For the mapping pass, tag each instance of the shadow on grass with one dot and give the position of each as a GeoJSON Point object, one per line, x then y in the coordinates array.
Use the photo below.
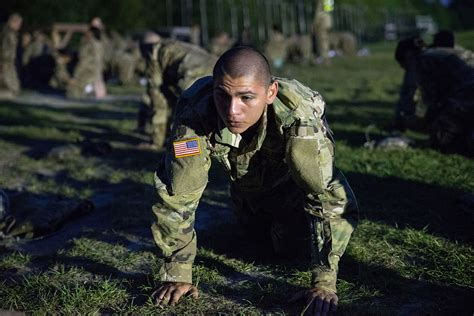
{"type": "Point", "coordinates": [89, 122]}
{"type": "Point", "coordinates": [396, 294]}
{"type": "Point", "coordinates": [405, 203]}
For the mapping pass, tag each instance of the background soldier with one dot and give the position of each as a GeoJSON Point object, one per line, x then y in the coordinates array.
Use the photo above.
{"type": "Point", "coordinates": [172, 66]}
{"type": "Point", "coordinates": [446, 83]}
{"type": "Point", "coordinates": [273, 139]}
{"type": "Point", "coordinates": [321, 26]}
{"type": "Point", "coordinates": [9, 41]}
{"type": "Point", "coordinates": [276, 48]}
{"type": "Point", "coordinates": [88, 74]}
{"type": "Point", "coordinates": [446, 39]}
{"type": "Point", "coordinates": [221, 43]}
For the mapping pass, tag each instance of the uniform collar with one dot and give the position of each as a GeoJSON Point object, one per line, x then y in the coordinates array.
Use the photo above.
{"type": "Point", "coordinates": [226, 137]}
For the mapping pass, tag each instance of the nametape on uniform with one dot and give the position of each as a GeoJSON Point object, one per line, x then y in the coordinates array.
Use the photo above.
{"type": "Point", "coordinates": [187, 147]}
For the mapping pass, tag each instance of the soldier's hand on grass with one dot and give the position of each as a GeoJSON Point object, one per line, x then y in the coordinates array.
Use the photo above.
{"type": "Point", "coordinates": [170, 293]}
{"type": "Point", "coordinates": [319, 302]}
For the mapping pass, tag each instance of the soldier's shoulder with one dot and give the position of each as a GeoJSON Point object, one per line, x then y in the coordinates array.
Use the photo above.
{"type": "Point", "coordinates": [202, 86]}
{"type": "Point", "coordinates": [297, 102]}
{"type": "Point", "coordinates": [197, 98]}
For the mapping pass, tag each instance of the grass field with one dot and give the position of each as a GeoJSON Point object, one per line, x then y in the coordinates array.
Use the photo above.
{"type": "Point", "coordinates": [411, 254]}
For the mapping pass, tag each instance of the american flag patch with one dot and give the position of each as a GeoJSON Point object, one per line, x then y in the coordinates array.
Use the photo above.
{"type": "Point", "coordinates": [186, 148]}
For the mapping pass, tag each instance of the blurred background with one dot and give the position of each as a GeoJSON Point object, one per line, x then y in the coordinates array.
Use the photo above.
{"type": "Point", "coordinates": [370, 20]}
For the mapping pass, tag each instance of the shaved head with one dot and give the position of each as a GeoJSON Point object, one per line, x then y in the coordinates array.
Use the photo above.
{"type": "Point", "coordinates": [243, 61]}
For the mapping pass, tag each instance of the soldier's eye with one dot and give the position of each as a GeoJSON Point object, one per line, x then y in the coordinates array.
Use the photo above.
{"type": "Point", "coordinates": [247, 98]}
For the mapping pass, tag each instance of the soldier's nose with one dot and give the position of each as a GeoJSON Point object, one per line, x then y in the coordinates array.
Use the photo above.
{"type": "Point", "coordinates": [234, 108]}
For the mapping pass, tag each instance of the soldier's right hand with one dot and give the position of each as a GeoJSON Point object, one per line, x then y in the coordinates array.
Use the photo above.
{"type": "Point", "coordinates": [170, 292]}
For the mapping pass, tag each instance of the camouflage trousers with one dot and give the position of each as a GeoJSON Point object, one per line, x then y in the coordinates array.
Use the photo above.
{"type": "Point", "coordinates": [451, 134]}
{"type": "Point", "coordinates": [155, 111]}
{"type": "Point", "coordinates": [322, 40]}
{"type": "Point", "coordinates": [452, 130]}
{"type": "Point", "coordinates": [9, 78]}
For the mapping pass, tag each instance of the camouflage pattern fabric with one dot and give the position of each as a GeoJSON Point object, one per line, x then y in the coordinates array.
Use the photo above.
{"type": "Point", "coordinates": [406, 105]}
{"type": "Point", "coordinates": [61, 75]}
{"type": "Point", "coordinates": [8, 73]}
{"type": "Point", "coordinates": [446, 83]}
{"type": "Point", "coordinates": [300, 49]}
{"type": "Point", "coordinates": [39, 46]}
{"type": "Point", "coordinates": [172, 67]}
{"type": "Point", "coordinates": [465, 54]}
{"type": "Point", "coordinates": [345, 43]}
{"type": "Point", "coordinates": [89, 68]}
{"type": "Point", "coordinates": [322, 23]}
{"type": "Point", "coordinates": [276, 49]}
{"type": "Point", "coordinates": [285, 176]}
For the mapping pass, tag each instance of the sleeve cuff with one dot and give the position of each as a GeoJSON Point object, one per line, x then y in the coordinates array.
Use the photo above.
{"type": "Point", "coordinates": [176, 272]}
{"type": "Point", "coordinates": [324, 280]}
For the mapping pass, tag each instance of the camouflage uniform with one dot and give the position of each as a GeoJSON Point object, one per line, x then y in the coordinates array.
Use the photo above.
{"type": "Point", "coordinates": [276, 49]}
{"type": "Point", "coordinates": [321, 25]}
{"type": "Point", "coordinates": [124, 59]}
{"type": "Point", "coordinates": [406, 105]}
{"type": "Point", "coordinates": [285, 175]}
{"type": "Point", "coordinates": [344, 43]}
{"type": "Point", "coordinates": [8, 73]}
{"type": "Point", "coordinates": [446, 82]}
{"type": "Point", "coordinates": [465, 54]}
{"type": "Point", "coordinates": [39, 46]}
{"type": "Point", "coordinates": [89, 68]}
{"type": "Point", "coordinates": [300, 49]}
{"type": "Point", "coordinates": [61, 76]}
{"type": "Point", "coordinates": [172, 67]}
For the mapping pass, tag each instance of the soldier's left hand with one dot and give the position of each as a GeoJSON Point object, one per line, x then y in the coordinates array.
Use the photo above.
{"type": "Point", "coordinates": [319, 302]}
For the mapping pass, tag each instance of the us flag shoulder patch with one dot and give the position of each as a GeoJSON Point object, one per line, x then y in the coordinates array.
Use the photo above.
{"type": "Point", "coordinates": [186, 148]}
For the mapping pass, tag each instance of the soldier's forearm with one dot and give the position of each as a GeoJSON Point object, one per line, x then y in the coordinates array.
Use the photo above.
{"type": "Point", "coordinates": [176, 272]}
{"type": "Point", "coordinates": [330, 237]}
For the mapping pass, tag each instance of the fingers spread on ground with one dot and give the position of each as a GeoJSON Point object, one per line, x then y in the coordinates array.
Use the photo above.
{"type": "Point", "coordinates": [167, 296]}
{"type": "Point", "coordinates": [175, 296]}
{"type": "Point", "coordinates": [194, 293]}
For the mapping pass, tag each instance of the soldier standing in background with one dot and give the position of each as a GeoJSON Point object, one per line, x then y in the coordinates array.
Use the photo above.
{"type": "Point", "coordinates": [172, 66]}
{"type": "Point", "coordinates": [88, 74]}
{"type": "Point", "coordinates": [272, 138]}
{"type": "Point", "coordinates": [321, 26]}
{"type": "Point", "coordinates": [9, 41]}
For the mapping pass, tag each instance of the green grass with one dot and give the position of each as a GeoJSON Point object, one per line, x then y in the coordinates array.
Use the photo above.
{"type": "Point", "coordinates": [411, 253]}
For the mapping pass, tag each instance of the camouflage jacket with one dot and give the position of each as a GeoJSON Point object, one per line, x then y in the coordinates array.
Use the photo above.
{"type": "Point", "coordinates": [91, 60]}
{"type": "Point", "coordinates": [293, 142]}
{"type": "Point", "coordinates": [465, 54]}
{"type": "Point", "coordinates": [444, 77]}
{"type": "Point", "coordinates": [9, 42]}
{"type": "Point", "coordinates": [175, 65]}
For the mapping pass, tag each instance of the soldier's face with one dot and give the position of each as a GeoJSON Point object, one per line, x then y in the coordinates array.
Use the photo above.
{"type": "Point", "coordinates": [241, 101]}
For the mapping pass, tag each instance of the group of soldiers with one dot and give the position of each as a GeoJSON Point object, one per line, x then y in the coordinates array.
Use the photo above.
{"type": "Point", "coordinates": [299, 47]}
{"type": "Point", "coordinates": [270, 134]}
{"type": "Point", "coordinates": [440, 78]}
{"type": "Point", "coordinates": [41, 61]}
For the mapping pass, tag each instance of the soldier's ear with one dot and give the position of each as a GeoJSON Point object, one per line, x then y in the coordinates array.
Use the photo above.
{"type": "Point", "coordinates": [272, 91]}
